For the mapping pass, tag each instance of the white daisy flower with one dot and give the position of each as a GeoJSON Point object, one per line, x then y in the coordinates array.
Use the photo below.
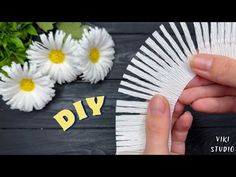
{"type": "Point", "coordinates": [56, 56]}
{"type": "Point", "coordinates": [26, 88]}
{"type": "Point", "coordinates": [96, 52]}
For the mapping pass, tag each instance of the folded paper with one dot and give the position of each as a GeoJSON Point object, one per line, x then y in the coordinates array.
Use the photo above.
{"type": "Point", "coordinates": [161, 66]}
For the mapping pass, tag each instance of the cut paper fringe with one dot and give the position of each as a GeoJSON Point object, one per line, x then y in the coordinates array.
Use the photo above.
{"type": "Point", "coordinates": [161, 66]}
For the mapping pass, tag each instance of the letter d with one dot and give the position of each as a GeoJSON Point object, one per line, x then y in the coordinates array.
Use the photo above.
{"type": "Point", "coordinates": [65, 124]}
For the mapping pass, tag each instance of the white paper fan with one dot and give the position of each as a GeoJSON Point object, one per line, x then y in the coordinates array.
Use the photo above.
{"type": "Point", "coordinates": [161, 66]}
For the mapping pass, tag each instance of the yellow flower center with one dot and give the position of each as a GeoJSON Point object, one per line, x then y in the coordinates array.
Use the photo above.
{"type": "Point", "coordinates": [56, 56]}
{"type": "Point", "coordinates": [94, 55]}
{"type": "Point", "coordinates": [27, 85]}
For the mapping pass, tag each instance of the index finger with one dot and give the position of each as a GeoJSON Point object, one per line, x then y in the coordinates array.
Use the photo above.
{"type": "Point", "coordinates": [216, 68]}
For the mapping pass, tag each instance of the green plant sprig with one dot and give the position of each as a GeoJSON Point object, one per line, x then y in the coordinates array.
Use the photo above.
{"type": "Point", "coordinates": [15, 38]}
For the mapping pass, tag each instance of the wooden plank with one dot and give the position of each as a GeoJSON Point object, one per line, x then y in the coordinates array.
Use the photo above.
{"type": "Point", "coordinates": [126, 46]}
{"type": "Point", "coordinates": [136, 27]}
{"type": "Point", "coordinates": [66, 95]}
{"type": "Point", "coordinates": [214, 120]}
{"type": "Point", "coordinates": [56, 142]}
{"type": "Point", "coordinates": [96, 141]}
{"type": "Point", "coordinates": [205, 120]}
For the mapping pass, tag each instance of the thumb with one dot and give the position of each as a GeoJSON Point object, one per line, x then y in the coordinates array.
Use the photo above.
{"type": "Point", "coordinates": [219, 69]}
{"type": "Point", "coordinates": [157, 126]}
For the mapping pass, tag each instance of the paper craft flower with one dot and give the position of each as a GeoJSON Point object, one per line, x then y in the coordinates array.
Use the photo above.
{"type": "Point", "coordinates": [56, 56]}
{"type": "Point", "coordinates": [96, 53]}
{"type": "Point", "coordinates": [26, 88]}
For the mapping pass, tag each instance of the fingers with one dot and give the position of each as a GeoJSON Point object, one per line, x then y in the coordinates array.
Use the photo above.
{"type": "Point", "coordinates": [198, 81]}
{"type": "Point", "coordinates": [215, 105]}
{"type": "Point", "coordinates": [219, 69]}
{"type": "Point", "coordinates": [178, 110]}
{"type": "Point", "coordinates": [214, 90]}
{"type": "Point", "coordinates": [180, 132]}
{"type": "Point", "coordinates": [157, 126]}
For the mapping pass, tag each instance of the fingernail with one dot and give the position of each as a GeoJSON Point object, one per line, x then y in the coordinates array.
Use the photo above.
{"type": "Point", "coordinates": [157, 106]}
{"type": "Point", "coordinates": [201, 63]}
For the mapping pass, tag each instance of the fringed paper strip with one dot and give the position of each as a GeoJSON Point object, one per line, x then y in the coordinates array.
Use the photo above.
{"type": "Point", "coordinates": [161, 66]}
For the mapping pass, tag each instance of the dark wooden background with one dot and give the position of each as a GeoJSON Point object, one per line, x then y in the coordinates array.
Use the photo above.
{"type": "Point", "coordinates": [38, 133]}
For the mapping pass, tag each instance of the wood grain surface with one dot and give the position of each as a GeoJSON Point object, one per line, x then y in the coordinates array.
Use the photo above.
{"type": "Point", "coordinates": [38, 133]}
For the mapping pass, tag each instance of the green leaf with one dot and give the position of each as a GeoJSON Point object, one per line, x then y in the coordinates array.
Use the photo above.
{"type": "Point", "coordinates": [18, 43]}
{"type": "Point", "coordinates": [22, 25]}
{"type": "Point", "coordinates": [31, 30]}
{"type": "Point", "coordinates": [20, 59]}
{"type": "Point", "coordinates": [13, 26]}
{"type": "Point", "coordinates": [76, 29]}
{"type": "Point", "coordinates": [4, 43]}
{"type": "Point", "coordinates": [5, 62]}
{"type": "Point", "coordinates": [45, 26]}
{"type": "Point", "coordinates": [15, 37]}
{"type": "Point", "coordinates": [27, 44]}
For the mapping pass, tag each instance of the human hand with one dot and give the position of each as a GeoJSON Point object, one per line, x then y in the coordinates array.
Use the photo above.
{"type": "Point", "coordinates": [158, 124]}
{"type": "Point", "coordinates": [214, 89]}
